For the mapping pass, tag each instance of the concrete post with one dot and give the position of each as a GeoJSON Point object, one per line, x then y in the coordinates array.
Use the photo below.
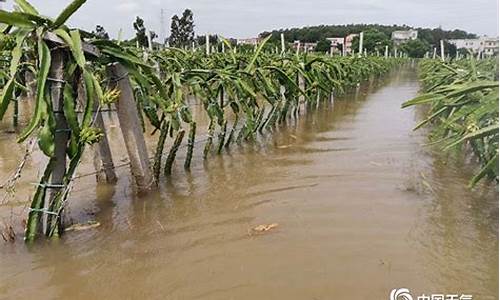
{"type": "Point", "coordinates": [441, 43]}
{"type": "Point", "coordinates": [361, 35]}
{"type": "Point", "coordinates": [282, 36]}
{"type": "Point", "coordinates": [131, 129]}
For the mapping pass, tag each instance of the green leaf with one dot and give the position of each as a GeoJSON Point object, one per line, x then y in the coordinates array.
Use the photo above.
{"type": "Point", "coordinates": [123, 55]}
{"type": "Point", "coordinates": [26, 7]}
{"type": "Point", "coordinates": [6, 96]}
{"type": "Point", "coordinates": [73, 40]}
{"type": "Point", "coordinates": [473, 87]}
{"type": "Point", "coordinates": [15, 19]}
{"type": "Point", "coordinates": [430, 118]}
{"type": "Point", "coordinates": [256, 54]}
{"type": "Point", "coordinates": [45, 60]}
{"type": "Point", "coordinates": [490, 166]}
{"type": "Point", "coordinates": [70, 111]}
{"type": "Point", "coordinates": [475, 135]}
{"type": "Point", "coordinates": [17, 52]}
{"type": "Point", "coordinates": [426, 98]}
{"type": "Point", "coordinates": [46, 140]}
{"type": "Point", "coordinates": [67, 12]}
{"type": "Point", "coordinates": [89, 92]}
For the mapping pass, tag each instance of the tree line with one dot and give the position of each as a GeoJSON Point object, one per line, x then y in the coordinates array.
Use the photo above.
{"type": "Point", "coordinates": [376, 36]}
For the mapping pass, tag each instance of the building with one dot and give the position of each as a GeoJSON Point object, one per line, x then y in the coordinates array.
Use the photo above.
{"type": "Point", "coordinates": [490, 46]}
{"type": "Point", "coordinates": [305, 47]}
{"type": "Point", "coordinates": [335, 42]}
{"type": "Point", "coordinates": [402, 36]}
{"type": "Point", "coordinates": [348, 43]}
{"type": "Point", "coordinates": [473, 45]}
{"type": "Point", "coordinates": [484, 44]}
{"type": "Point", "coordinates": [249, 41]}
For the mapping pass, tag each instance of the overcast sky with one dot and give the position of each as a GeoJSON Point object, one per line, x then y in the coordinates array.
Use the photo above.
{"type": "Point", "coordinates": [246, 18]}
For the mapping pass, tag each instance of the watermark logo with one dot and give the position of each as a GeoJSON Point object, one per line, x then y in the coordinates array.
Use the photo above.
{"type": "Point", "coordinates": [401, 294]}
{"type": "Point", "coordinates": [404, 294]}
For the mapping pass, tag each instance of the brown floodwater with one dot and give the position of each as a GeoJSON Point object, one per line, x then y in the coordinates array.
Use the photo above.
{"type": "Point", "coordinates": [362, 207]}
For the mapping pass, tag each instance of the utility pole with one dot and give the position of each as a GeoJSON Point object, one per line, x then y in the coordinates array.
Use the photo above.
{"type": "Point", "coordinates": [162, 27]}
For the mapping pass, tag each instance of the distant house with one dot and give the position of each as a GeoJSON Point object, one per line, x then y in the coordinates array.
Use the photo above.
{"type": "Point", "coordinates": [402, 36]}
{"type": "Point", "coordinates": [249, 41]}
{"type": "Point", "coordinates": [490, 46]}
{"type": "Point", "coordinates": [348, 42]}
{"type": "Point", "coordinates": [334, 44]}
{"type": "Point", "coordinates": [305, 47]}
{"type": "Point", "coordinates": [473, 45]}
{"type": "Point", "coordinates": [484, 44]}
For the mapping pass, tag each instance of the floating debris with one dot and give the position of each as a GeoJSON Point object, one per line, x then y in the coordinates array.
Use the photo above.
{"type": "Point", "coordinates": [84, 226]}
{"type": "Point", "coordinates": [264, 227]}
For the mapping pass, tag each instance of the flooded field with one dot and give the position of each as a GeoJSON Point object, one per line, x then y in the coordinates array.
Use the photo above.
{"type": "Point", "coordinates": [361, 207]}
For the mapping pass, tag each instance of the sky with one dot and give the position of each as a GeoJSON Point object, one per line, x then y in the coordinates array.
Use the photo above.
{"type": "Point", "coordinates": [246, 18]}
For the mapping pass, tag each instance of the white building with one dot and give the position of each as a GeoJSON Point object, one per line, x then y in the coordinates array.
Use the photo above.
{"type": "Point", "coordinates": [490, 46]}
{"type": "Point", "coordinates": [250, 41]}
{"type": "Point", "coordinates": [484, 44]}
{"type": "Point", "coordinates": [305, 47]}
{"type": "Point", "coordinates": [334, 43]}
{"type": "Point", "coordinates": [402, 36]}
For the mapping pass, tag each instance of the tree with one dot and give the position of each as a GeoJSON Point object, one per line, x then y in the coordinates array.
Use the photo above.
{"type": "Point", "coordinates": [212, 38]}
{"type": "Point", "coordinates": [323, 46]}
{"type": "Point", "coordinates": [140, 32]}
{"type": "Point", "coordinates": [449, 49]}
{"type": "Point", "coordinates": [182, 29]}
{"type": "Point", "coordinates": [100, 33]}
{"type": "Point", "coordinates": [317, 33]}
{"type": "Point", "coordinates": [186, 26]}
{"type": "Point", "coordinates": [175, 34]}
{"type": "Point", "coordinates": [415, 48]}
{"type": "Point", "coordinates": [373, 40]}
{"type": "Point", "coordinates": [153, 35]}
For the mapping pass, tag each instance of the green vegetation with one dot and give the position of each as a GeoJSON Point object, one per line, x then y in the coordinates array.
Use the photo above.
{"type": "Point", "coordinates": [316, 33]}
{"type": "Point", "coordinates": [462, 97]}
{"type": "Point", "coordinates": [140, 32]}
{"type": "Point", "coordinates": [244, 93]}
{"type": "Point", "coordinates": [373, 41]}
{"type": "Point", "coordinates": [376, 37]}
{"type": "Point", "coordinates": [182, 30]}
{"type": "Point", "coordinates": [59, 68]}
{"type": "Point", "coordinates": [323, 46]}
{"type": "Point", "coordinates": [415, 48]}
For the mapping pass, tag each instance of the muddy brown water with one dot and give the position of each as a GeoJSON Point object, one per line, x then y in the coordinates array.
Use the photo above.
{"type": "Point", "coordinates": [361, 206]}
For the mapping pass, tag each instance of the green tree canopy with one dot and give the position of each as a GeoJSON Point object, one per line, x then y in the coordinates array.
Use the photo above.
{"type": "Point", "coordinates": [323, 46]}
{"type": "Point", "coordinates": [415, 48]}
{"type": "Point", "coordinates": [373, 40]}
{"type": "Point", "coordinates": [182, 29]}
{"type": "Point", "coordinates": [317, 33]}
{"type": "Point", "coordinates": [100, 33]}
{"type": "Point", "coordinates": [186, 26]}
{"type": "Point", "coordinates": [140, 32]}
{"type": "Point", "coordinates": [175, 34]}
